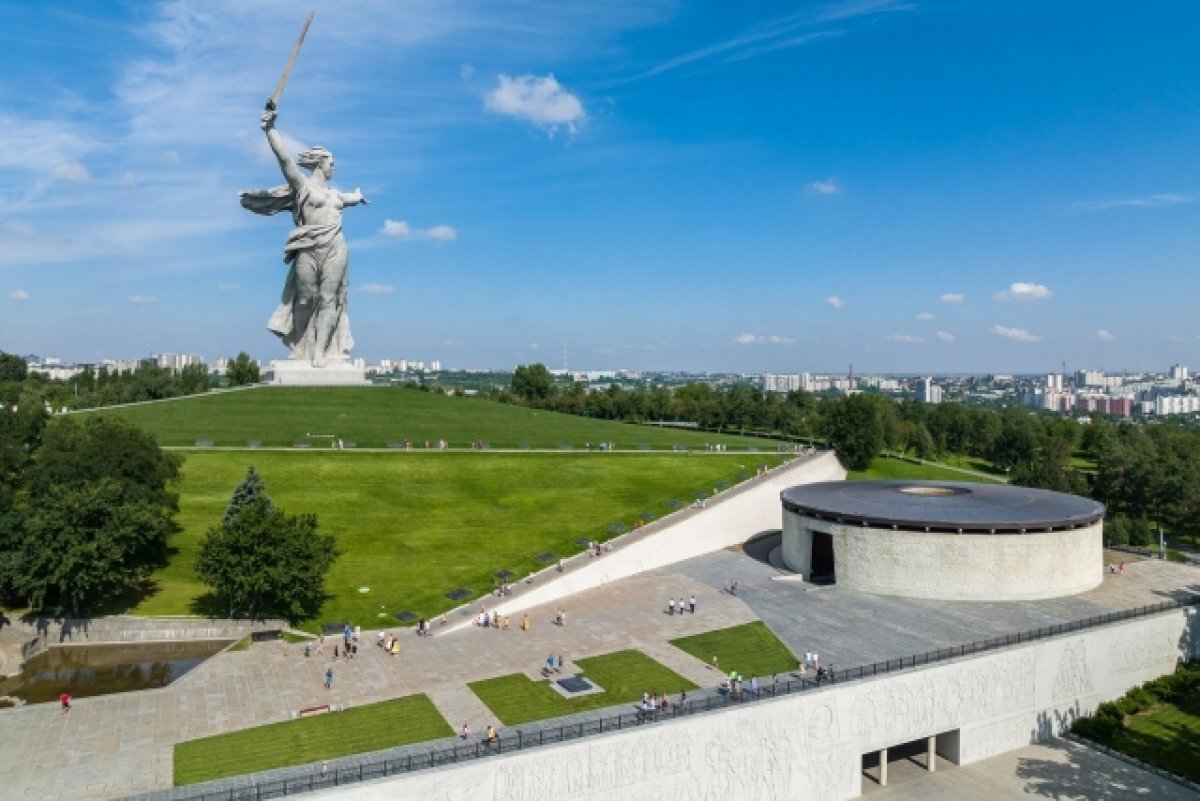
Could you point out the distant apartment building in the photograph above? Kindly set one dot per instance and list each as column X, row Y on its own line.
column 1177, row 404
column 1179, row 372
column 773, row 382
column 177, row 361
column 1089, row 378
column 930, row 392
column 1054, row 382
column 436, row 365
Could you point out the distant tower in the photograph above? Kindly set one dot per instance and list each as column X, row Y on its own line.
column 564, row 357
column 850, row 384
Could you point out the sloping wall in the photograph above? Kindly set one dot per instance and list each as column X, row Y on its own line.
column 727, row 519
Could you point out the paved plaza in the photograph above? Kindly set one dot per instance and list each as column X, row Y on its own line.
column 120, row 744
column 1058, row 769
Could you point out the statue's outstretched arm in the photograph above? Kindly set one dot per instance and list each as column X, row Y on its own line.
column 354, row 198
column 290, row 171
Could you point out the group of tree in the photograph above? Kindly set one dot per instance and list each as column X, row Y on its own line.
column 260, row 559
column 87, row 510
column 1147, row 475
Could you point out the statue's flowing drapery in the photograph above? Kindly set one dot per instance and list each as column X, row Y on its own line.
column 325, row 244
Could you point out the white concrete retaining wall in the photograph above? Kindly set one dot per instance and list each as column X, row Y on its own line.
column 728, row 519
column 961, row 567
column 810, row 746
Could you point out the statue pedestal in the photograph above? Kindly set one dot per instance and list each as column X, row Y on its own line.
column 289, row 373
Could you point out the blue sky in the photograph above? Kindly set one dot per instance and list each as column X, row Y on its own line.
column 915, row 186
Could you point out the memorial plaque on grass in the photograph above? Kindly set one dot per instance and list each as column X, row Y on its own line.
column 643, row 446
column 743, row 474
column 564, row 446
column 674, row 504
column 253, row 443
column 334, row 627
column 546, row 558
column 524, row 446
column 348, row 444
column 300, row 445
column 721, row 484
column 698, row 494
column 617, row 528
column 406, row 616
column 204, row 443
column 574, row 684
column 752, row 448
column 395, row 444
column 584, row 541
column 462, row 593
column 762, row 465
column 505, row 575
column 646, row 516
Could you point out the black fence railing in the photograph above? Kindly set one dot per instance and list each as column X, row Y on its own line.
column 310, row 778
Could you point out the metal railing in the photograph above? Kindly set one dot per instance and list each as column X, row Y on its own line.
column 309, row 778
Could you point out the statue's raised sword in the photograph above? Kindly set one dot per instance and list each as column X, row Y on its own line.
column 273, row 100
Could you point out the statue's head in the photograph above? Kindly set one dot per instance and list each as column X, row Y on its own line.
column 317, row 158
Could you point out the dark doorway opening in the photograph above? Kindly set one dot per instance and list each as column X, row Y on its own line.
column 822, row 558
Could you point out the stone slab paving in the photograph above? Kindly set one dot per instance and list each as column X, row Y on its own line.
column 850, row 628
column 121, row 744
column 1057, row 769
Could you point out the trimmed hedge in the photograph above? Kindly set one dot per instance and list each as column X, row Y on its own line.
column 1109, row 719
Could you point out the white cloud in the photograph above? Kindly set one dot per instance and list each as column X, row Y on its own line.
column 755, row 339
column 780, row 33
column 400, row 229
column 835, row 301
column 945, row 336
column 228, row 287
column 1104, row 336
column 926, row 316
column 1015, row 334
column 466, row 71
column 377, row 289
column 1147, row 201
column 72, row 172
column 829, row 186
column 541, row 100
column 907, row 339
column 440, row 233
column 139, row 300
column 1020, row 290
column 19, row 295
column 397, row 229
column 953, row 297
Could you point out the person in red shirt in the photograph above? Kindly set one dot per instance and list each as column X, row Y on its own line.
column 65, row 700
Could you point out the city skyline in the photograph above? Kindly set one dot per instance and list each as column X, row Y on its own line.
column 912, row 187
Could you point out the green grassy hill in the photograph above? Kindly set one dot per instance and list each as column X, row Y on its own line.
column 414, row 526
column 376, row 416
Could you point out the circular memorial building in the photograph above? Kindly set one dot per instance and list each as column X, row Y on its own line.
column 944, row 539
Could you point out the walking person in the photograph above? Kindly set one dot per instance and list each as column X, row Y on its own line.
column 670, row 606
column 329, row 677
column 692, row 604
column 680, row 607
column 65, row 700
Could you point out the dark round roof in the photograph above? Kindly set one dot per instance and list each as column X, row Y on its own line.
column 942, row 506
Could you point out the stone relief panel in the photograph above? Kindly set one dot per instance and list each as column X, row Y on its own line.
column 1073, row 679
column 995, row 737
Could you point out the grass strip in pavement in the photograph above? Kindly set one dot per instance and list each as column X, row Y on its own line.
column 751, row 649
column 623, row 675
column 388, row 724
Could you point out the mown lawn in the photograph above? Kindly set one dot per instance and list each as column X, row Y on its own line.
column 1167, row 735
column 899, row 469
column 412, row 527
column 623, row 675
column 373, row 727
column 376, row 416
column 751, row 649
